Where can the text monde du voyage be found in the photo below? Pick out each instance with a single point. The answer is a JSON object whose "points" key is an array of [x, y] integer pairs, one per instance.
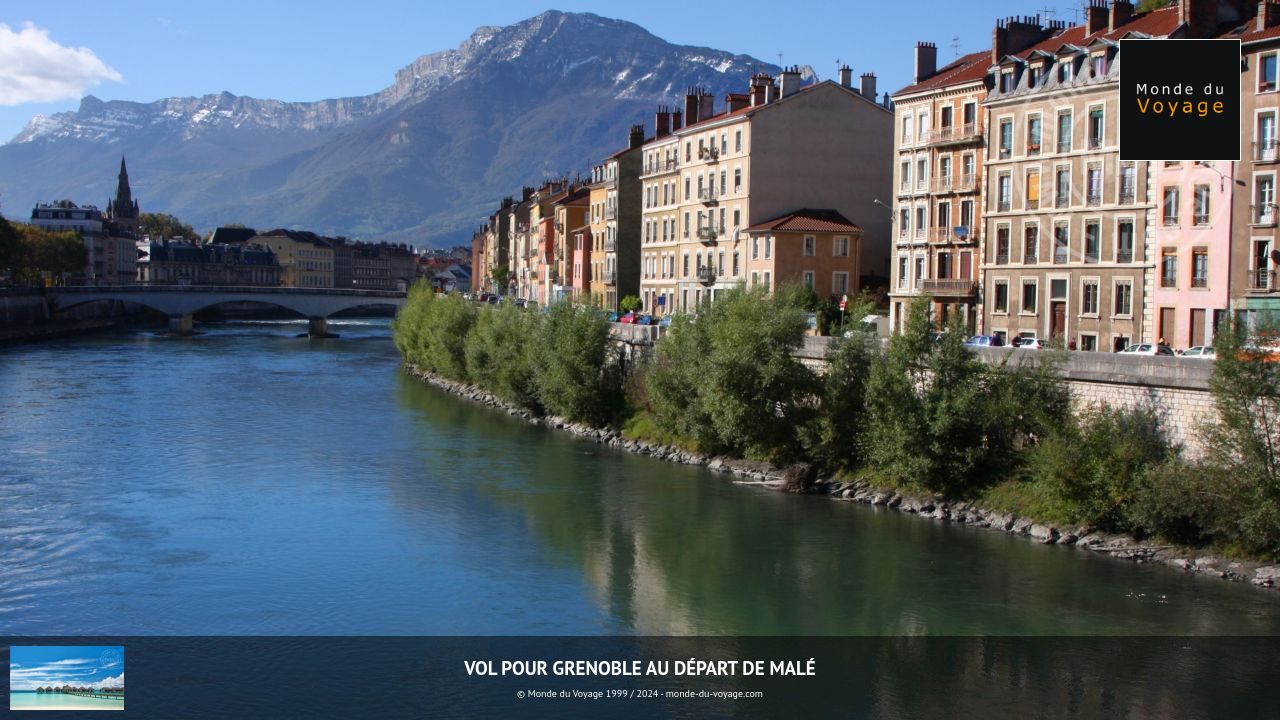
{"points": [[1180, 99]]}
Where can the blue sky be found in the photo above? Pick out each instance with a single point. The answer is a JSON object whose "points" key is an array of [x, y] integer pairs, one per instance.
{"points": [[51, 54], [31, 667]]}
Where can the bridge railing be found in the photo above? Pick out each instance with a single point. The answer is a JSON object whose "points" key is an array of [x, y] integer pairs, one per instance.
{"points": [[236, 289]]}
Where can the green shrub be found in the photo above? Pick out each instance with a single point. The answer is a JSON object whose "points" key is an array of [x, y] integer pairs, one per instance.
{"points": [[836, 437], [569, 364], [410, 322], [446, 321], [499, 352], [1097, 464]]}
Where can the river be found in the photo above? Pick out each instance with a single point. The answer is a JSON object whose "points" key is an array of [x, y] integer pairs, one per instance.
{"points": [[249, 482]]}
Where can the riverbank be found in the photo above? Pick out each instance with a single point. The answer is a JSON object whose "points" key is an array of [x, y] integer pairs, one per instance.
{"points": [[796, 479], [54, 329]]}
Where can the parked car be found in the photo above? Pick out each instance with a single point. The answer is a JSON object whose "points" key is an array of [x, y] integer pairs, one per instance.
{"points": [[664, 321], [628, 319], [1205, 352], [1147, 349], [614, 317], [521, 302], [645, 320], [984, 341], [1027, 343], [494, 299]]}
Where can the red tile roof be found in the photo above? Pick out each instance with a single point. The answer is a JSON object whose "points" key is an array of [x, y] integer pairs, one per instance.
{"points": [[807, 220], [966, 69]]}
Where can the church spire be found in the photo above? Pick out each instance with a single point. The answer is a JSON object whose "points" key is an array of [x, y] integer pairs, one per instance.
{"points": [[123, 209]]}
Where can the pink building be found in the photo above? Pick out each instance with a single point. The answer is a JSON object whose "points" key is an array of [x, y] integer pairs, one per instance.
{"points": [[1191, 250], [581, 267]]}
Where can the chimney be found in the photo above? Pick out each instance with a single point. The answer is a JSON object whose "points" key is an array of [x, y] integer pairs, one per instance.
{"points": [[770, 92], [526, 193], [1121, 11], [790, 81], [1015, 34], [662, 122], [691, 106], [1200, 17], [706, 104], [636, 138], [846, 76], [677, 120], [926, 60], [1268, 14], [759, 82], [735, 101], [1095, 16], [868, 88]]}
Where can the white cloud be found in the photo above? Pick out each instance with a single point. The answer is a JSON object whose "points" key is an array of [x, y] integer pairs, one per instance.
{"points": [[34, 68]]}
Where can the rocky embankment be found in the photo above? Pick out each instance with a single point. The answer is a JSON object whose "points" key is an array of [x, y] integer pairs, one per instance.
{"points": [[802, 478]]}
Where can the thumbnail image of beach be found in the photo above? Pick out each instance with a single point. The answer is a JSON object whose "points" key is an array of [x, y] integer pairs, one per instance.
{"points": [[71, 677]]}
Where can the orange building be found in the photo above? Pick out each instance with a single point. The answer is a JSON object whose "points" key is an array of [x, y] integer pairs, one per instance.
{"points": [[819, 248]]}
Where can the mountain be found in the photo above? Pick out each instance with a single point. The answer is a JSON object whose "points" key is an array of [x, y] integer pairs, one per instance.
{"points": [[421, 161]]}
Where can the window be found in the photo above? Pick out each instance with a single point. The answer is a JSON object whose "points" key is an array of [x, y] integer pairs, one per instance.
{"points": [[1200, 268], [1033, 135], [905, 182], [944, 217], [737, 180], [902, 272], [1267, 72], [1002, 245], [1004, 190], [808, 279], [755, 248], [1124, 241], [922, 221], [922, 173], [1093, 185], [1064, 71], [919, 269], [839, 283], [1202, 205], [904, 222], [1128, 183], [1096, 132], [810, 245], [1265, 200], [1031, 244], [737, 141], [1092, 240], [944, 266], [1061, 243], [686, 187], [1029, 290], [840, 246], [1006, 138], [735, 263], [1088, 342], [970, 116], [1032, 200], [1033, 75], [1124, 298], [686, 264], [1170, 206], [944, 170], [1002, 296], [737, 217], [1064, 132], [766, 281], [768, 247], [1089, 297], [966, 215], [1099, 63], [1062, 193], [1168, 268], [1006, 81]]}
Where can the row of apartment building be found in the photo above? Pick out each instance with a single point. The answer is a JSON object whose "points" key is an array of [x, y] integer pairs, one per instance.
{"points": [[780, 183], [1015, 212]]}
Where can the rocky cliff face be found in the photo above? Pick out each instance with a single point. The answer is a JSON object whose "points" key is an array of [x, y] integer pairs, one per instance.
{"points": [[419, 161]]}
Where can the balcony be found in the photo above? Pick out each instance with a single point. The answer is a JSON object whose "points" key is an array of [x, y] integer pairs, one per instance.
{"points": [[706, 274], [1095, 143], [1261, 280], [1124, 255], [1265, 152], [1002, 258], [1200, 219], [1030, 256], [610, 244], [1263, 214], [708, 196], [609, 277], [1033, 149], [1064, 146], [1005, 153], [951, 288], [1199, 281], [709, 233], [953, 135], [710, 154], [1126, 196], [1032, 203], [948, 235], [610, 212], [1060, 256], [1061, 201], [1093, 200]]}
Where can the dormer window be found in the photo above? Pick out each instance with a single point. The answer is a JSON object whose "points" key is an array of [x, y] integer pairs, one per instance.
{"points": [[1006, 81], [1064, 70], [1099, 63], [1033, 77]]}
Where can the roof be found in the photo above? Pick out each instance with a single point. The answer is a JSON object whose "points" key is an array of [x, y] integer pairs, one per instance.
{"points": [[965, 69], [807, 220], [1248, 32]]}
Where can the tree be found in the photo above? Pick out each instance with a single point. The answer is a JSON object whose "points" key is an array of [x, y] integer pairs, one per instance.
{"points": [[569, 364], [630, 303], [837, 436], [501, 276], [162, 226]]}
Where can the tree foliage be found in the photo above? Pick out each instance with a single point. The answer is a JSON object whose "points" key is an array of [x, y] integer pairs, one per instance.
{"points": [[499, 353], [165, 226], [570, 372], [29, 251]]}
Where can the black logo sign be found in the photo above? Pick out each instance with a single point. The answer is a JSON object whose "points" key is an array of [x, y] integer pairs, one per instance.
{"points": [[1179, 99]]}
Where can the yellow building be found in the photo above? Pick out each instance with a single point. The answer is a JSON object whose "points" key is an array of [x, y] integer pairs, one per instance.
{"points": [[305, 259]]}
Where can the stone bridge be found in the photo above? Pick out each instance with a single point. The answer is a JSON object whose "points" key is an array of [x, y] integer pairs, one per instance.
{"points": [[180, 302]]}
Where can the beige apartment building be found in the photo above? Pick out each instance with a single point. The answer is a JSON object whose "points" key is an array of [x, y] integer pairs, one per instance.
{"points": [[1255, 288], [1069, 241], [594, 273], [305, 259], [937, 179], [774, 150]]}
